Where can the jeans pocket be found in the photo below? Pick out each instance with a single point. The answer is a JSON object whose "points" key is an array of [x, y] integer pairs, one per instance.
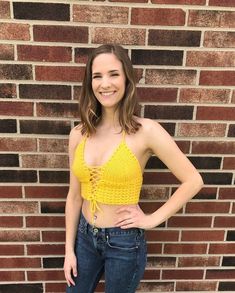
{"points": [[122, 242]]}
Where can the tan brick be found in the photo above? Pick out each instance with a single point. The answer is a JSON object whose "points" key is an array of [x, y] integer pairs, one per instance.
{"points": [[18, 144], [18, 207], [196, 286], [19, 236], [199, 261], [216, 39], [6, 52], [186, 2], [126, 36], [45, 161], [5, 10], [53, 145], [200, 95], [14, 31], [201, 129], [210, 59], [100, 14]]}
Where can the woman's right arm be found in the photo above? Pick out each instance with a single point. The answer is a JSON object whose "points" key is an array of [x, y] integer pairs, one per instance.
{"points": [[72, 212]]}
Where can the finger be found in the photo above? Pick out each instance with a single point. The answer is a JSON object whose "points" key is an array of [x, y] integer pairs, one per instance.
{"points": [[70, 280], [75, 271], [123, 209]]}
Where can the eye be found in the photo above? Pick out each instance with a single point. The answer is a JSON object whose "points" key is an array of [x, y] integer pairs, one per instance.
{"points": [[96, 76], [114, 74]]}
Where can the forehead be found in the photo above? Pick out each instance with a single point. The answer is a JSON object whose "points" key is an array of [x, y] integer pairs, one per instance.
{"points": [[106, 62]]}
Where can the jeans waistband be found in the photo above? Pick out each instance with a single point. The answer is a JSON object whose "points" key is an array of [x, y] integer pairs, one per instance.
{"points": [[85, 226]]}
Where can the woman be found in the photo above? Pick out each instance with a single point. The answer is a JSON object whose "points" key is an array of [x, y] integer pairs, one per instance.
{"points": [[108, 152]]}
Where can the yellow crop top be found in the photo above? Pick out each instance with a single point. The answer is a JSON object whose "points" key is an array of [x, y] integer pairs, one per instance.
{"points": [[118, 181]]}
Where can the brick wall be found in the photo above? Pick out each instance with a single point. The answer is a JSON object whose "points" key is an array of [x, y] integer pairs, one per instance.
{"points": [[183, 53]]}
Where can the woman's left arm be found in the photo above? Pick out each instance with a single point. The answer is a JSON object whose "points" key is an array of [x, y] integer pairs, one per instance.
{"points": [[165, 148]]}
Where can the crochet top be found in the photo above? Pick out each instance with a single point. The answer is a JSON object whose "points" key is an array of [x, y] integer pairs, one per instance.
{"points": [[116, 182]]}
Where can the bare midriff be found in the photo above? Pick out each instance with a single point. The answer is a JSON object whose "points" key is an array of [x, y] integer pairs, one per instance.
{"points": [[106, 217]]}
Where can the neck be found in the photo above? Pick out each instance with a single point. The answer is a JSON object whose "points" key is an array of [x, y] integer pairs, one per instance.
{"points": [[110, 119]]}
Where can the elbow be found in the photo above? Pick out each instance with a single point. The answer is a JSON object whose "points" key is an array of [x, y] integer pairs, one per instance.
{"points": [[198, 181]]}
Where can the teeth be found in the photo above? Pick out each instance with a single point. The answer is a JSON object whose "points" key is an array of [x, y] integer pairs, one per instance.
{"points": [[107, 94]]}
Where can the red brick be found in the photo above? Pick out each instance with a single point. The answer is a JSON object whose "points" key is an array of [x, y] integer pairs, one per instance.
{"points": [[57, 33], [197, 95], [20, 262], [154, 286], [14, 31], [53, 145], [12, 276], [148, 207], [131, 1], [6, 51], [18, 144], [11, 249], [215, 39], [10, 191], [213, 147], [226, 193], [59, 73], [162, 235], [18, 207], [211, 18], [196, 286], [184, 146], [159, 178], [68, 110], [46, 191], [229, 163], [224, 221], [220, 274], [100, 14], [207, 193], [224, 78], [154, 248], [44, 53], [227, 3], [16, 109], [170, 76], [20, 235], [55, 287], [185, 248], [199, 261], [45, 275], [215, 113], [45, 249], [186, 2], [206, 235], [182, 274], [45, 221], [45, 161], [210, 59], [5, 10], [207, 207], [127, 36], [201, 129], [53, 236], [11, 222], [157, 16], [146, 94], [189, 221]]}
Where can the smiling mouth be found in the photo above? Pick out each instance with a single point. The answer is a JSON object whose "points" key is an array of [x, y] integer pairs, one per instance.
{"points": [[106, 94]]}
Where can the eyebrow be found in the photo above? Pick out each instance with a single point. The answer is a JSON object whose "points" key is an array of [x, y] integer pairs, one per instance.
{"points": [[110, 71]]}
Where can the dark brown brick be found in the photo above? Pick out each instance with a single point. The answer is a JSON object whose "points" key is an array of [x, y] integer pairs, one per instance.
{"points": [[81, 54], [157, 57], [157, 16], [230, 235], [5, 10], [6, 51], [52, 207], [226, 286], [7, 90], [56, 33], [26, 288], [18, 176], [44, 53], [146, 94], [206, 162], [217, 178], [220, 274], [41, 11], [211, 18], [179, 38], [8, 126], [159, 178], [53, 176], [182, 274], [169, 112], [45, 92], [45, 127], [9, 160], [16, 71], [231, 130], [206, 193], [190, 221], [228, 261], [69, 110], [14, 31], [170, 76], [214, 39], [53, 262]]}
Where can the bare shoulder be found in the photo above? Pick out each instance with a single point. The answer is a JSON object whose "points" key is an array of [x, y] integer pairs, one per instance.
{"points": [[149, 126], [75, 136]]}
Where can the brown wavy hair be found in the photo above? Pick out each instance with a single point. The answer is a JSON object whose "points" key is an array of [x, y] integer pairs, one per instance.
{"points": [[90, 108]]}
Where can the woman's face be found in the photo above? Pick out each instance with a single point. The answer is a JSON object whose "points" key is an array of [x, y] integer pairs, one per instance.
{"points": [[108, 80]]}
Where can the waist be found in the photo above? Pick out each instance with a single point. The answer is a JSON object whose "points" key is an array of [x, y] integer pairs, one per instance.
{"points": [[105, 217]]}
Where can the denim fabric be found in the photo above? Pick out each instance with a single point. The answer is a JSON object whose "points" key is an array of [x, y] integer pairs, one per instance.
{"points": [[119, 253]]}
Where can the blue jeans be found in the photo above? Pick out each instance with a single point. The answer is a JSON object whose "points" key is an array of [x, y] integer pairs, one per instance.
{"points": [[119, 253]]}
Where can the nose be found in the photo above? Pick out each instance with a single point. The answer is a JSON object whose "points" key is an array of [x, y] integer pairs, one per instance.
{"points": [[105, 82]]}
